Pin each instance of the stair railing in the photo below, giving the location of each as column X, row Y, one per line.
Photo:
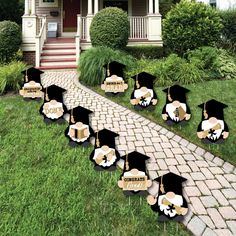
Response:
column 40, row 39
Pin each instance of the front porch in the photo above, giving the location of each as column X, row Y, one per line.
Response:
column 74, row 18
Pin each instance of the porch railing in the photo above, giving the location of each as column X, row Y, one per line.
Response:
column 40, row 39
column 138, row 27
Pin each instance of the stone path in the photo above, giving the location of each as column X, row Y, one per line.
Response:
column 211, row 186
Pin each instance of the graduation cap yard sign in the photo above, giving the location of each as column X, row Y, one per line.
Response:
column 32, row 88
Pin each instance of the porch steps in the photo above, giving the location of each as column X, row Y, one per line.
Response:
column 58, row 53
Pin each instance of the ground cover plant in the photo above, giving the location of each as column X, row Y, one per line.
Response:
column 48, row 188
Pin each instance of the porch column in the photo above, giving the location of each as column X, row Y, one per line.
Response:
column 150, row 6
column 26, row 7
column 156, row 7
column 32, row 7
column 90, row 7
column 95, row 7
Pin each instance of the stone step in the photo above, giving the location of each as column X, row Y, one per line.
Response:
column 57, row 63
column 58, row 50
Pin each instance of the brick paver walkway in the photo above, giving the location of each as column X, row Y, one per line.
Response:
column 211, row 186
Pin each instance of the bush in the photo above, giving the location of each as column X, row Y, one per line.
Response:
column 10, row 38
column 228, row 39
column 190, row 25
column 151, row 52
column 216, row 63
column 11, row 78
column 169, row 70
column 110, row 28
column 92, row 61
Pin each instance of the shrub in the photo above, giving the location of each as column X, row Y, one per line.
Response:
column 205, row 59
column 11, row 78
column 110, row 28
column 151, row 52
column 10, row 38
column 92, row 61
column 216, row 63
column 228, row 39
column 169, row 70
column 190, row 25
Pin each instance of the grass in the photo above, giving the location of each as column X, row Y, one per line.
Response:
column 48, row 188
column 221, row 90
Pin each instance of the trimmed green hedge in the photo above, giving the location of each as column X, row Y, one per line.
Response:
column 190, row 25
column 110, row 28
column 10, row 40
column 91, row 63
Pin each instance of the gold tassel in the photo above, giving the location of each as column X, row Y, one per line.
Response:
column 169, row 97
column 47, row 98
column 97, row 141
column 72, row 119
column 108, row 70
column 137, row 83
column 26, row 76
column 126, row 163
column 205, row 112
column 162, row 186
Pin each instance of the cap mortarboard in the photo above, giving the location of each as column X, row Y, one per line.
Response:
column 135, row 160
column 105, row 137
column 32, row 74
column 213, row 108
column 114, row 68
column 176, row 92
column 144, row 79
column 54, row 92
column 170, row 182
column 80, row 114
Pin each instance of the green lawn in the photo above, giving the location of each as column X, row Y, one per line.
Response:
column 224, row 91
column 48, row 188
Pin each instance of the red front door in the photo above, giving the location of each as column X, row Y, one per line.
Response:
column 70, row 10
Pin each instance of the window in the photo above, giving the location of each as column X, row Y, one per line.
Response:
column 121, row 4
column 48, row 3
column 213, row 3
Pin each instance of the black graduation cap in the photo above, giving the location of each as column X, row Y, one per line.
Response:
column 114, row 68
column 144, row 79
column 135, row 160
column 79, row 114
column 170, row 182
column 105, row 137
column 176, row 92
column 32, row 74
column 53, row 92
column 212, row 108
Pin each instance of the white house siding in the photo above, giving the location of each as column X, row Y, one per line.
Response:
column 139, row 8
column 222, row 4
column 46, row 10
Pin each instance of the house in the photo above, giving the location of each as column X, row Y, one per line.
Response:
column 73, row 19
column 220, row 4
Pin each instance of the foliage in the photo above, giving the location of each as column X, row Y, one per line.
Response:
column 169, row 70
column 151, row 52
column 190, row 25
column 92, row 61
column 110, row 28
column 228, row 39
column 166, row 5
column 10, row 38
column 11, row 77
column 215, row 63
column 11, row 10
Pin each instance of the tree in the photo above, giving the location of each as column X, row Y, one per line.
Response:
column 11, row 10
column 190, row 25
